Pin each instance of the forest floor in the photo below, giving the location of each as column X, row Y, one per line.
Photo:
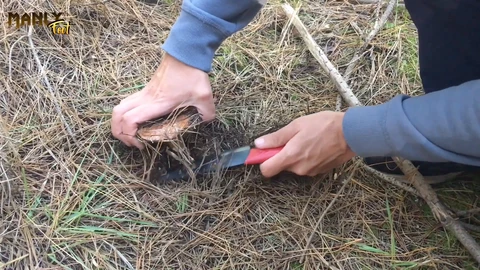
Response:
column 87, row 202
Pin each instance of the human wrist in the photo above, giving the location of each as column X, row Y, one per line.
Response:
column 172, row 65
column 177, row 64
column 180, row 79
column 193, row 41
column 340, row 133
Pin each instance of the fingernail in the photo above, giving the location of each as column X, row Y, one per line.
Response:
column 259, row 142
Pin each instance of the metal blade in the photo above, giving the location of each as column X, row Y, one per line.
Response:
column 228, row 159
column 234, row 157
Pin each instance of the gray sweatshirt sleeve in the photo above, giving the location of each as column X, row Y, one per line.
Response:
column 203, row 25
column 437, row 127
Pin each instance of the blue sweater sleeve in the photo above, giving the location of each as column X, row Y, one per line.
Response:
column 437, row 127
column 203, row 25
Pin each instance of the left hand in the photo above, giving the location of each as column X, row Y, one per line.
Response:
column 173, row 85
column 313, row 144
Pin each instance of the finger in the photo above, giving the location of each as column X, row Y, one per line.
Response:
column 278, row 163
column 277, row 138
column 117, row 115
column 140, row 114
column 206, row 108
column 133, row 96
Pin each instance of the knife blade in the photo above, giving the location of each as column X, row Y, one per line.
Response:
column 245, row 155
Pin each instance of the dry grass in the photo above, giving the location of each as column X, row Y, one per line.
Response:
column 86, row 202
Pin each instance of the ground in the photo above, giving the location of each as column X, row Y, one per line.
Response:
column 86, row 201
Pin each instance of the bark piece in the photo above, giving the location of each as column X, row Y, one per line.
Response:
column 170, row 128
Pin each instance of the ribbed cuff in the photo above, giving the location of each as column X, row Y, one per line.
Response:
column 364, row 129
column 193, row 41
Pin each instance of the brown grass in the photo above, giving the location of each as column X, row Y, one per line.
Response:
column 87, row 202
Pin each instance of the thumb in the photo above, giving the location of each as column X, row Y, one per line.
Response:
column 277, row 138
column 206, row 110
column 204, row 103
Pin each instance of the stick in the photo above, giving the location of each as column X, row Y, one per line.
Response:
column 470, row 227
column 47, row 83
column 440, row 212
column 379, row 25
column 338, row 104
column 369, row 38
column 391, row 180
column 322, row 59
column 467, row 213
column 365, row 1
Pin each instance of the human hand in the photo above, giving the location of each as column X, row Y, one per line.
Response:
column 313, row 144
column 173, row 85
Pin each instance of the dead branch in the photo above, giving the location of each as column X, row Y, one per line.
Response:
column 470, row 227
column 342, row 86
column 441, row 213
column 391, row 180
column 338, row 103
column 378, row 25
column 369, row 38
column 365, row 1
column 467, row 213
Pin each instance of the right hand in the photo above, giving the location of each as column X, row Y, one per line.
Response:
column 173, row 85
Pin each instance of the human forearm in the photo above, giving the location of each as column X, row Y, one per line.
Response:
column 437, row 127
column 203, row 25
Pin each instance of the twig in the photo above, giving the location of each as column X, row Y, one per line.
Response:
column 366, row 1
column 467, row 213
column 470, row 227
column 380, row 24
column 369, row 38
column 338, row 104
column 441, row 213
column 320, row 219
column 342, row 86
column 391, row 180
column 49, row 87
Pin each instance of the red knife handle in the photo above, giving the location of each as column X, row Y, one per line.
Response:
column 258, row 156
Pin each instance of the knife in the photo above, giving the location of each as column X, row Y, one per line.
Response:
column 245, row 155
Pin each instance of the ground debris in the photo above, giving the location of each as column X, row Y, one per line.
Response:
column 89, row 204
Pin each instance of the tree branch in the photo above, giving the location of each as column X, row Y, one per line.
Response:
column 369, row 38
column 441, row 213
